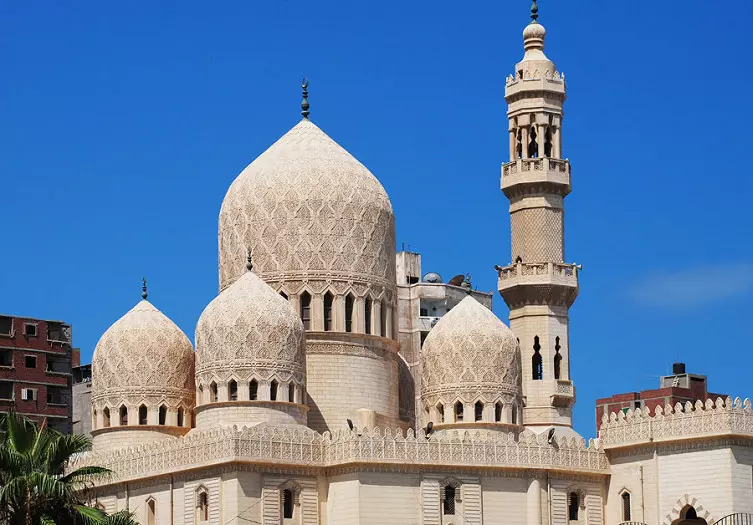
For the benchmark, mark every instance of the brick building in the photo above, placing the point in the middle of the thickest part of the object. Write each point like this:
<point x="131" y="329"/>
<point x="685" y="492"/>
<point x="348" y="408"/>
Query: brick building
<point x="679" y="387"/>
<point x="35" y="369"/>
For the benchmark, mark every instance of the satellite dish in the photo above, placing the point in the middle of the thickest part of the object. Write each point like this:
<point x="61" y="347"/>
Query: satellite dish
<point x="429" y="428"/>
<point x="457" y="280"/>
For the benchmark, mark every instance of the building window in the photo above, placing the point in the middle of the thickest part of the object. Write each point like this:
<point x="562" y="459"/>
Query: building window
<point x="306" y="310"/>
<point x="498" y="412"/>
<point x="213" y="392"/>
<point x="349" y="300"/>
<point x="459" y="411"/>
<point x="123" y="416"/>
<point x="478" y="411"/>
<point x="514" y="414"/>
<point x="151" y="512"/>
<point x="537" y="362"/>
<point x="30" y="330"/>
<point x="106" y="417"/>
<point x="291" y="392"/>
<point x="383" y="320"/>
<point x="626" y="506"/>
<point x="573" y="506"/>
<point x="29" y="394"/>
<point x="202" y="506"/>
<point x="253" y="390"/>
<point x="142" y="415"/>
<point x="162" y="414"/>
<point x="180" y="416"/>
<point x="440" y="412"/>
<point x="55" y="396"/>
<point x="55" y="332"/>
<point x="287" y="504"/>
<point x="548" y="142"/>
<point x="448" y="500"/>
<point x="6" y="390"/>
<point x="6" y="325"/>
<point x="31" y="361"/>
<point x="6" y="358"/>
<point x="557" y="358"/>
<point x="232" y="390"/>
<point x="367" y="316"/>
<point x="328" y="299"/>
<point x="273" y="390"/>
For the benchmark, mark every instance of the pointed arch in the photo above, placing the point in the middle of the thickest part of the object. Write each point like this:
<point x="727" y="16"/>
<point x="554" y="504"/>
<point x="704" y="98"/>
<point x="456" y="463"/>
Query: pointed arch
<point x="151" y="511"/>
<point x="537" y="364"/>
<point x="143" y="415"/>
<point x="201" y="505"/>
<point x="291" y="392"/>
<point x="349" y="303"/>
<point x="682" y="506"/>
<point x="123" y="415"/>
<point x="367" y="307"/>
<point x="329" y="300"/>
<point x="162" y="420"/>
<point x="290" y="499"/>
<point x="181" y="416"/>
<point x="478" y="411"/>
<point x="253" y="390"/>
<point x="449" y="492"/>
<point x="383" y="319"/>
<point x="458" y="411"/>
<point x="106" y="417"/>
<point x="232" y="390"/>
<point x="305" y="307"/>
<point x="498" y="410"/>
<point x="273" y="386"/>
<point x="213" y="398"/>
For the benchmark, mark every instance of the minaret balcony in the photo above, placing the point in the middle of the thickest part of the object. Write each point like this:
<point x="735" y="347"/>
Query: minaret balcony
<point x="538" y="283"/>
<point x="549" y="175"/>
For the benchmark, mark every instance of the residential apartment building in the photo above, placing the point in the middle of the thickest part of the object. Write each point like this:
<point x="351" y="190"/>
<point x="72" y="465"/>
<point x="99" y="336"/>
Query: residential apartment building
<point x="35" y="369"/>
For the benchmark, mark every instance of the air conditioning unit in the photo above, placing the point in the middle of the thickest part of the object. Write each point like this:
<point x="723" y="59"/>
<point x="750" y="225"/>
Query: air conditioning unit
<point x="29" y="394"/>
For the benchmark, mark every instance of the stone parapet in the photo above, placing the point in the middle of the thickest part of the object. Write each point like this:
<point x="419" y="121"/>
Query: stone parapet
<point x="540" y="175"/>
<point x="538" y="283"/>
<point x="385" y="448"/>
<point x="723" y="417"/>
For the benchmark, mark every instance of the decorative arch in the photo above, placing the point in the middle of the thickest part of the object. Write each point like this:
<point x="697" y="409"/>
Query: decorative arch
<point x="201" y="504"/>
<point x="449" y="495"/>
<point x="290" y="499"/>
<point x="681" y="507"/>
<point x="151" y="511"/>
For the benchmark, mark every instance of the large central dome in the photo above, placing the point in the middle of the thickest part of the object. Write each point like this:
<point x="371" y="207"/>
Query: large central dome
<point x="307" y="209"/>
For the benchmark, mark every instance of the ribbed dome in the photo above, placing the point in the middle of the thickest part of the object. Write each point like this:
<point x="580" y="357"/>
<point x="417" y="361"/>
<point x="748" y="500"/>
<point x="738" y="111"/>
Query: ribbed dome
<point x="307" y="208"/>
<point x="143" y="356"/>
<point x="248" y="331"/>
<point x="470" y="354"/>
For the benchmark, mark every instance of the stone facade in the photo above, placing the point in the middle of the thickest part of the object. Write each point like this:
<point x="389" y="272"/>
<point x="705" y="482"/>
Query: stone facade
<point x="299" y="410"/>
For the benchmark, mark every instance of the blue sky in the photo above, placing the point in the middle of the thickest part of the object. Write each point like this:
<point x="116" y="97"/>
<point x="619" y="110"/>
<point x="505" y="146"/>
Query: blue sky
<point x="123" y="124"/>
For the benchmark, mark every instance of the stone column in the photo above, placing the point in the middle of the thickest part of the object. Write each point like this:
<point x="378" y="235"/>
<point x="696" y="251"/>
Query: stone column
<point x="376" y="326"/>
<point x="541" y="138"/>
<point x="513" y="144"/>
<point x="533" y="499"/>
<point x="556" y="143"/>
<point x="317" y="312"/>
<point x="524" y="141"/>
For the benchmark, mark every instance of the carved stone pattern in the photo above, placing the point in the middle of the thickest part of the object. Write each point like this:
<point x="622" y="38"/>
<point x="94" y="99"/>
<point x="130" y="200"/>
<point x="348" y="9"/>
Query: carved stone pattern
<point x="385" y="448"/>
<point x="537" y="234"/>
<point x="307" y="208"/>
<point x="469" y="354"/>
<point x="143" y="357"/>
<point x="350" y="349"/>
<point x="249" y="330"/>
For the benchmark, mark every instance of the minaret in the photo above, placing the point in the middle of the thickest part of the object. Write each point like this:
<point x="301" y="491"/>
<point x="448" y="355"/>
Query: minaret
<point x="538" y="286"/>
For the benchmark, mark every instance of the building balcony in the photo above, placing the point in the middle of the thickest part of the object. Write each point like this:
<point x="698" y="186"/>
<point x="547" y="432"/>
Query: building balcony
<point x="552" y="174"/>
<point x="538" y="283"/>
<point x="565" y="393"/>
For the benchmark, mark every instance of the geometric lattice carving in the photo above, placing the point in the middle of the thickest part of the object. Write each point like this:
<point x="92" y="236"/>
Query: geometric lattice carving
<point x="307" y="208"/>
<point x="249" y="330"/>
<point x="470" y="354"/>
<point x="537" y="235"/>
<point x="143" y="357"/>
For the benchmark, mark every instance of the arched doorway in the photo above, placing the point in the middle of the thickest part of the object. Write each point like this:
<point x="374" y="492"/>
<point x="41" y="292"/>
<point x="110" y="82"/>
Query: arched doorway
<point x="689" y="516"/>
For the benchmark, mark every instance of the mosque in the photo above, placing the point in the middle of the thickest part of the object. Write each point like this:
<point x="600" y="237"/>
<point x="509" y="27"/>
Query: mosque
<point x="298" y="405"/>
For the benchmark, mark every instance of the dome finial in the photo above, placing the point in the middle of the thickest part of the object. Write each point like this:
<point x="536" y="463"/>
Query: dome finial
<point x="249" y="262"/>
<point x="144" y="294"/>
<point x="305" y="102"/>
<point x="534" y="12"/>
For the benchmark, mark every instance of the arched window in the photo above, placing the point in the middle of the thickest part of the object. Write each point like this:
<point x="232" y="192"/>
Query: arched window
<point x="689" y="513"/>
<point x="253" y="390"/>
<point x="151" y="512"/>
<point x="287" y="504"/>
<point x="123" y="416"/>
<point x="459" y="411"/>
<point x="519" y="147"/>
<point x="106" y="417"/>
<point x="536" y="362"/>
<point x="291" y="392"/>
<point x="498" y="412"/>
<point x="349" y="300"/>
<point x="573" y="506"/>
<point x="448" y="500"/>
<point x="626" y="506"/>
<point x="383" y="320"/>
<point x="273" y="390"/>
<point x="514" y="414"/>
<point x="162" y="414"/>
<point x="557" y="358"/>
<point x="328" y="299"/>
<point x="367" y="316"/>
<point x="548" y="142"/>
<point x="232" y="390"/>
<point x="533" y="147"/>
<point x="440" y="412"/>
<point x="478" y="411"/>
<point x="202" y="506"/>
<point x="180" y="416"/>
<point x="306" y="310"/>
<point x="142" y="415"/>
<point x="213" y="392"/>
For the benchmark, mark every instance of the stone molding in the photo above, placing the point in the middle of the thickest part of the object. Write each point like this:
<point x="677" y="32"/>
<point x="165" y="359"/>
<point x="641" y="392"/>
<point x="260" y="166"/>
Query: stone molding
<point x="384" y="448"/>
<point x="681" y="422"/>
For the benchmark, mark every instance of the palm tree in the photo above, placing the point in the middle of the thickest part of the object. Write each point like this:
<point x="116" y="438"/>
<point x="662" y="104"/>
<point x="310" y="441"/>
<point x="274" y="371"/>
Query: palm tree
<point x="34" y="488"/>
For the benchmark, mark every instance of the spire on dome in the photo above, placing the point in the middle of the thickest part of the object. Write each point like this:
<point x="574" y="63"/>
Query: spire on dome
<point x="144" y="294"/>
<point x="249" y="262"/>
<point x="534" y="12"/>
<point x="305" y="101"/>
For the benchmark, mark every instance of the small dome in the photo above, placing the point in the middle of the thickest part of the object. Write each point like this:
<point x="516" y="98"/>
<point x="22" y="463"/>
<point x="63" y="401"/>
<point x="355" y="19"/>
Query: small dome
<point x="470" y="355"/>
<point x="143" y="357"/>
<point x="307" y="209"/>
<point x="249" y="331"/>
<point x="432" y="277"/>
<point x="534" y="30"/>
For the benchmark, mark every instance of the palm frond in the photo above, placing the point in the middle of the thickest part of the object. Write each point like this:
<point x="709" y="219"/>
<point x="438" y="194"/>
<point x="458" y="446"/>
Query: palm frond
<point x="90" y="515"/>
<point x="84" y="474"/>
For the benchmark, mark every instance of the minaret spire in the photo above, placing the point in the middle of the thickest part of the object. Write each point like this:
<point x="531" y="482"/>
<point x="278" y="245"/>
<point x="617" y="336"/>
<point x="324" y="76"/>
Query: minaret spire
<point x="144" y="293"/>
<point x="534" y="12"/>
<point x="305" y="101"/>
<point x="249" y="262"/>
